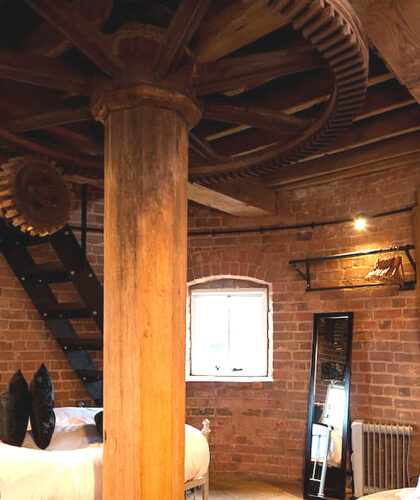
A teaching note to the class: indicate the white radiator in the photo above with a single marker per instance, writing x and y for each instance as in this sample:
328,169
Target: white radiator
380,457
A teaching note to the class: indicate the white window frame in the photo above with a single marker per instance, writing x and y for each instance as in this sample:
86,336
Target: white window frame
260,287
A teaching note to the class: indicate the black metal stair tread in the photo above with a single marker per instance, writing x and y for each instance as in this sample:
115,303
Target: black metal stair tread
80,344
90,375
50,272
66,310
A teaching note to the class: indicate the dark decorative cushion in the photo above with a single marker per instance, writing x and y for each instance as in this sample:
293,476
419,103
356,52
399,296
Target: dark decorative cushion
14,410
99,419
42,403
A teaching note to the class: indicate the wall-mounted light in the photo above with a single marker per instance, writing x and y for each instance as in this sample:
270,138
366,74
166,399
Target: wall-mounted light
360,222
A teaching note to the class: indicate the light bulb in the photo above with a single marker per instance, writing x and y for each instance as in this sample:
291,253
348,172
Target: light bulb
360,223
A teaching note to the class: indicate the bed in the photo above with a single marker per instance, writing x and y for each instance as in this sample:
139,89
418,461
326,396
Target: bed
71,467
402,494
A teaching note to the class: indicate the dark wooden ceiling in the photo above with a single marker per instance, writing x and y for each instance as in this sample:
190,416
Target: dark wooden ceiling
44,106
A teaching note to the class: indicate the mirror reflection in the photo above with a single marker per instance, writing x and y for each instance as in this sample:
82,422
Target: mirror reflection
328,406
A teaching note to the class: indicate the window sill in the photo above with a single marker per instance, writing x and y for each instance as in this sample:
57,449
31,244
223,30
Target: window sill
227,379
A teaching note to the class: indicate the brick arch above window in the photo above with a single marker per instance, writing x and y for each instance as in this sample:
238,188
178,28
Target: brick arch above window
214,269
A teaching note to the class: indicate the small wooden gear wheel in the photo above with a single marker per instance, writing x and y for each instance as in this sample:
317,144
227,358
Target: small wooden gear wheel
34,195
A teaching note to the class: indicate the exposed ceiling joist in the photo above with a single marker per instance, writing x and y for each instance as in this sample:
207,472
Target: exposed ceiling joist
370,168
246,72
371,153
239,204
55,153
264,118
379,99
376,129
236,25
394,29
42,71
81,33
204,149
46,41
184,24
55,117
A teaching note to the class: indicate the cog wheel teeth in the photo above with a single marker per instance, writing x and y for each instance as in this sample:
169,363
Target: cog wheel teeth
26,202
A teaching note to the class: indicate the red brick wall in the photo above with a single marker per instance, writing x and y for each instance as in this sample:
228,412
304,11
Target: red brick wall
259,428
25,342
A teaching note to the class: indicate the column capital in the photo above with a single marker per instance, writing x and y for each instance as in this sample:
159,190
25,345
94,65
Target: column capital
104,101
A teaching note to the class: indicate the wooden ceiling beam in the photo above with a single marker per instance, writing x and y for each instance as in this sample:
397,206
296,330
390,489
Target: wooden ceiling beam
204,149
52,152
296,96
246,72
89,145
375,129
55,117
369,154
363,131
254,116
81,33
184,23
43,72
230,28
370,168
393,28
234,200
46,41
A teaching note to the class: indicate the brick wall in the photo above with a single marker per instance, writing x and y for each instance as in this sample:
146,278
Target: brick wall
25,342
259,428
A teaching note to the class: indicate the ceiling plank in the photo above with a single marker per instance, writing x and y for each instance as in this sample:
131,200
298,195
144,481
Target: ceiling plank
369,154
394,29
46,41
370,168
238,24
43,71
254,116
55,153
233,205
186,20
55,117
375,129
87,144
246,72
82,33
365,130
298,93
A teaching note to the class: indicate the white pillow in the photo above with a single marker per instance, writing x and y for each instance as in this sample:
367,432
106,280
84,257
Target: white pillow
68,416
71,437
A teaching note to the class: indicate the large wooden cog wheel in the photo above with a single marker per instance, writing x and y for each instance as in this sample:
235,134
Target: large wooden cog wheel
332,28
34,195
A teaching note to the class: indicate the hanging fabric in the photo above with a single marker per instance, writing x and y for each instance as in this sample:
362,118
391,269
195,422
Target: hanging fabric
389,271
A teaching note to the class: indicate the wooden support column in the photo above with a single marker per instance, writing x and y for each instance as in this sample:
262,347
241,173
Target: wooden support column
146,146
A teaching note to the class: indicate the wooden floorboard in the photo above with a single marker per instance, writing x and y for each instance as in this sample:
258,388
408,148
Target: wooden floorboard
242,488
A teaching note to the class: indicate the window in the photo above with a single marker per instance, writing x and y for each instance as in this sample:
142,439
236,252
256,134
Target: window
228,334
334,405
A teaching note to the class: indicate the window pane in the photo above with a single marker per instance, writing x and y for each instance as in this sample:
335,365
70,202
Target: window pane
229,333
209,322
248,334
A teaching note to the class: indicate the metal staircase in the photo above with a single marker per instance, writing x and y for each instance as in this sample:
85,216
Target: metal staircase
72,266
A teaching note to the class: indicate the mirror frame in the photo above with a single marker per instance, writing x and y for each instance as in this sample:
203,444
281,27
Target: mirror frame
308,468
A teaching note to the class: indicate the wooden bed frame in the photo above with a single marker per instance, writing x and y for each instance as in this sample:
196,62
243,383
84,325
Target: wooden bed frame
202,481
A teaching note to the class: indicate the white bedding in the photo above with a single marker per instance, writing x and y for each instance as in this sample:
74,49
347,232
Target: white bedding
71,467
319,443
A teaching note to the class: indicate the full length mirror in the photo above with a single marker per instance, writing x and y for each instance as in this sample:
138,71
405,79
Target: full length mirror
328,408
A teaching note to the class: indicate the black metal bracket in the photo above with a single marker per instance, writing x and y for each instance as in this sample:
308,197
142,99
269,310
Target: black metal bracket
306,276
